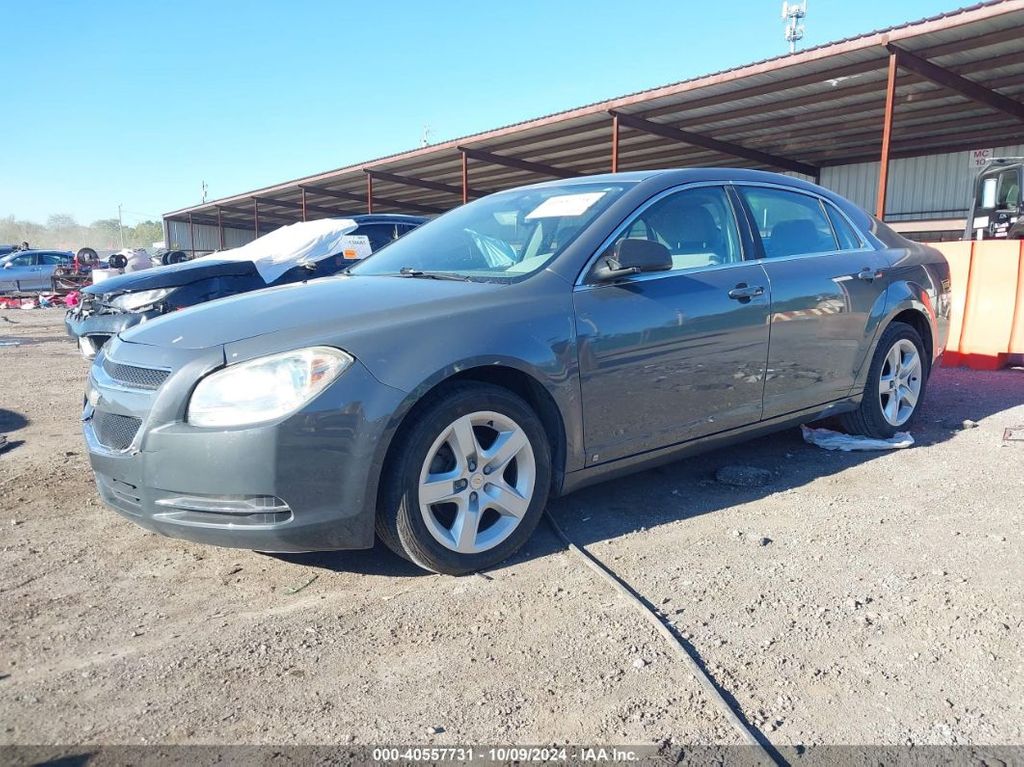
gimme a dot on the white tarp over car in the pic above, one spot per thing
(304, 242)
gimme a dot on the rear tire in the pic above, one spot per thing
(895, 387)
(466, 482)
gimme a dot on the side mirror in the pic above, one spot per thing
(8, 265)
(309, 266)
(632, 256)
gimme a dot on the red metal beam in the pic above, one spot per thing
(383, 200)
(954, 82)
(515, 162)
(725, 147)
(465, 178)
(615, 142)
(883, 169)
(422, 183)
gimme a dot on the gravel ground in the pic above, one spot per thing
(848, 599)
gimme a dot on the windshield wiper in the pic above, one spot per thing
(408, 271)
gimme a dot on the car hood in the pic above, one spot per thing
(172, 276)
(308, 312)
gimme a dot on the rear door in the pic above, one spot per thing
(826, 281)
(670, 356)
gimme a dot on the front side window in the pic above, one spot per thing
(500, 237)
(790, 223)
(29, 259)
(696, 225)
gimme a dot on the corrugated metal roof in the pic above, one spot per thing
(819, 107)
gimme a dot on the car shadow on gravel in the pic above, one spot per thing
(379, 560)
(11, 421)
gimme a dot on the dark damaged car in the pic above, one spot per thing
(294, 253)
(519, 347)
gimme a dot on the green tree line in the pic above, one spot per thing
(62, 232)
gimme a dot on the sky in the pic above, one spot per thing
(139, 103)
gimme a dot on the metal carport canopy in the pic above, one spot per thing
(946, 83)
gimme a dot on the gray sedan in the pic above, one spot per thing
(31, 269)
(519, 347)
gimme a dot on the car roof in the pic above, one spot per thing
(387, 218)
(670, 176)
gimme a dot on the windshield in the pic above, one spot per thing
(500, 237)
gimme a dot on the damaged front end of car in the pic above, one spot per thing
(100, 316)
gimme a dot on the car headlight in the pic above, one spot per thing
(265, 388)
(130, 302)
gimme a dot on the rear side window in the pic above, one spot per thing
(845, 233)
(790, 223)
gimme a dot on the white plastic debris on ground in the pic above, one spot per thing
(304, 242)
(835, 440)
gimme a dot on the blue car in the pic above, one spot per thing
(26, 270)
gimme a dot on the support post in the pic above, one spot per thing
(369, 192)
(303, 203)
(883, 168)
(220, 228)
(191, 236)
(615, 143)
(256, 215)
(465, 178)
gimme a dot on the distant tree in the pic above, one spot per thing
(145, 233)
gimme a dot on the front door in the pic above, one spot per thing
(826, 284)
(670, 356)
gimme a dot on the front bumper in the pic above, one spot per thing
(304, 483)
(97, 329)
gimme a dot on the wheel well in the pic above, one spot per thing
(521, 384)
(920, 323)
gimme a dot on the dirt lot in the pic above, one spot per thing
(853, 599)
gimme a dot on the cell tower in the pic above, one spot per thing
(793, 14)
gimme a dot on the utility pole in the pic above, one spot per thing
(205, 187)
(120, 224)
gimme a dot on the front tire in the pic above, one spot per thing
(467, 480)
(895, 386)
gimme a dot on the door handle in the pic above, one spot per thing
(744, 292)
(868, 275)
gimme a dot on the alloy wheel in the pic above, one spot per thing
(899, 385)
(477, 482)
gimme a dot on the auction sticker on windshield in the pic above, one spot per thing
(355, 246)
(565, 205)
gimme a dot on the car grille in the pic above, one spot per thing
(113, 431)
(135, 377)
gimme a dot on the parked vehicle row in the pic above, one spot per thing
(524, 345)
(293, 253)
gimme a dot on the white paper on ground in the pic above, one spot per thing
(834, 440)
(277, 252)
(565, 205)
